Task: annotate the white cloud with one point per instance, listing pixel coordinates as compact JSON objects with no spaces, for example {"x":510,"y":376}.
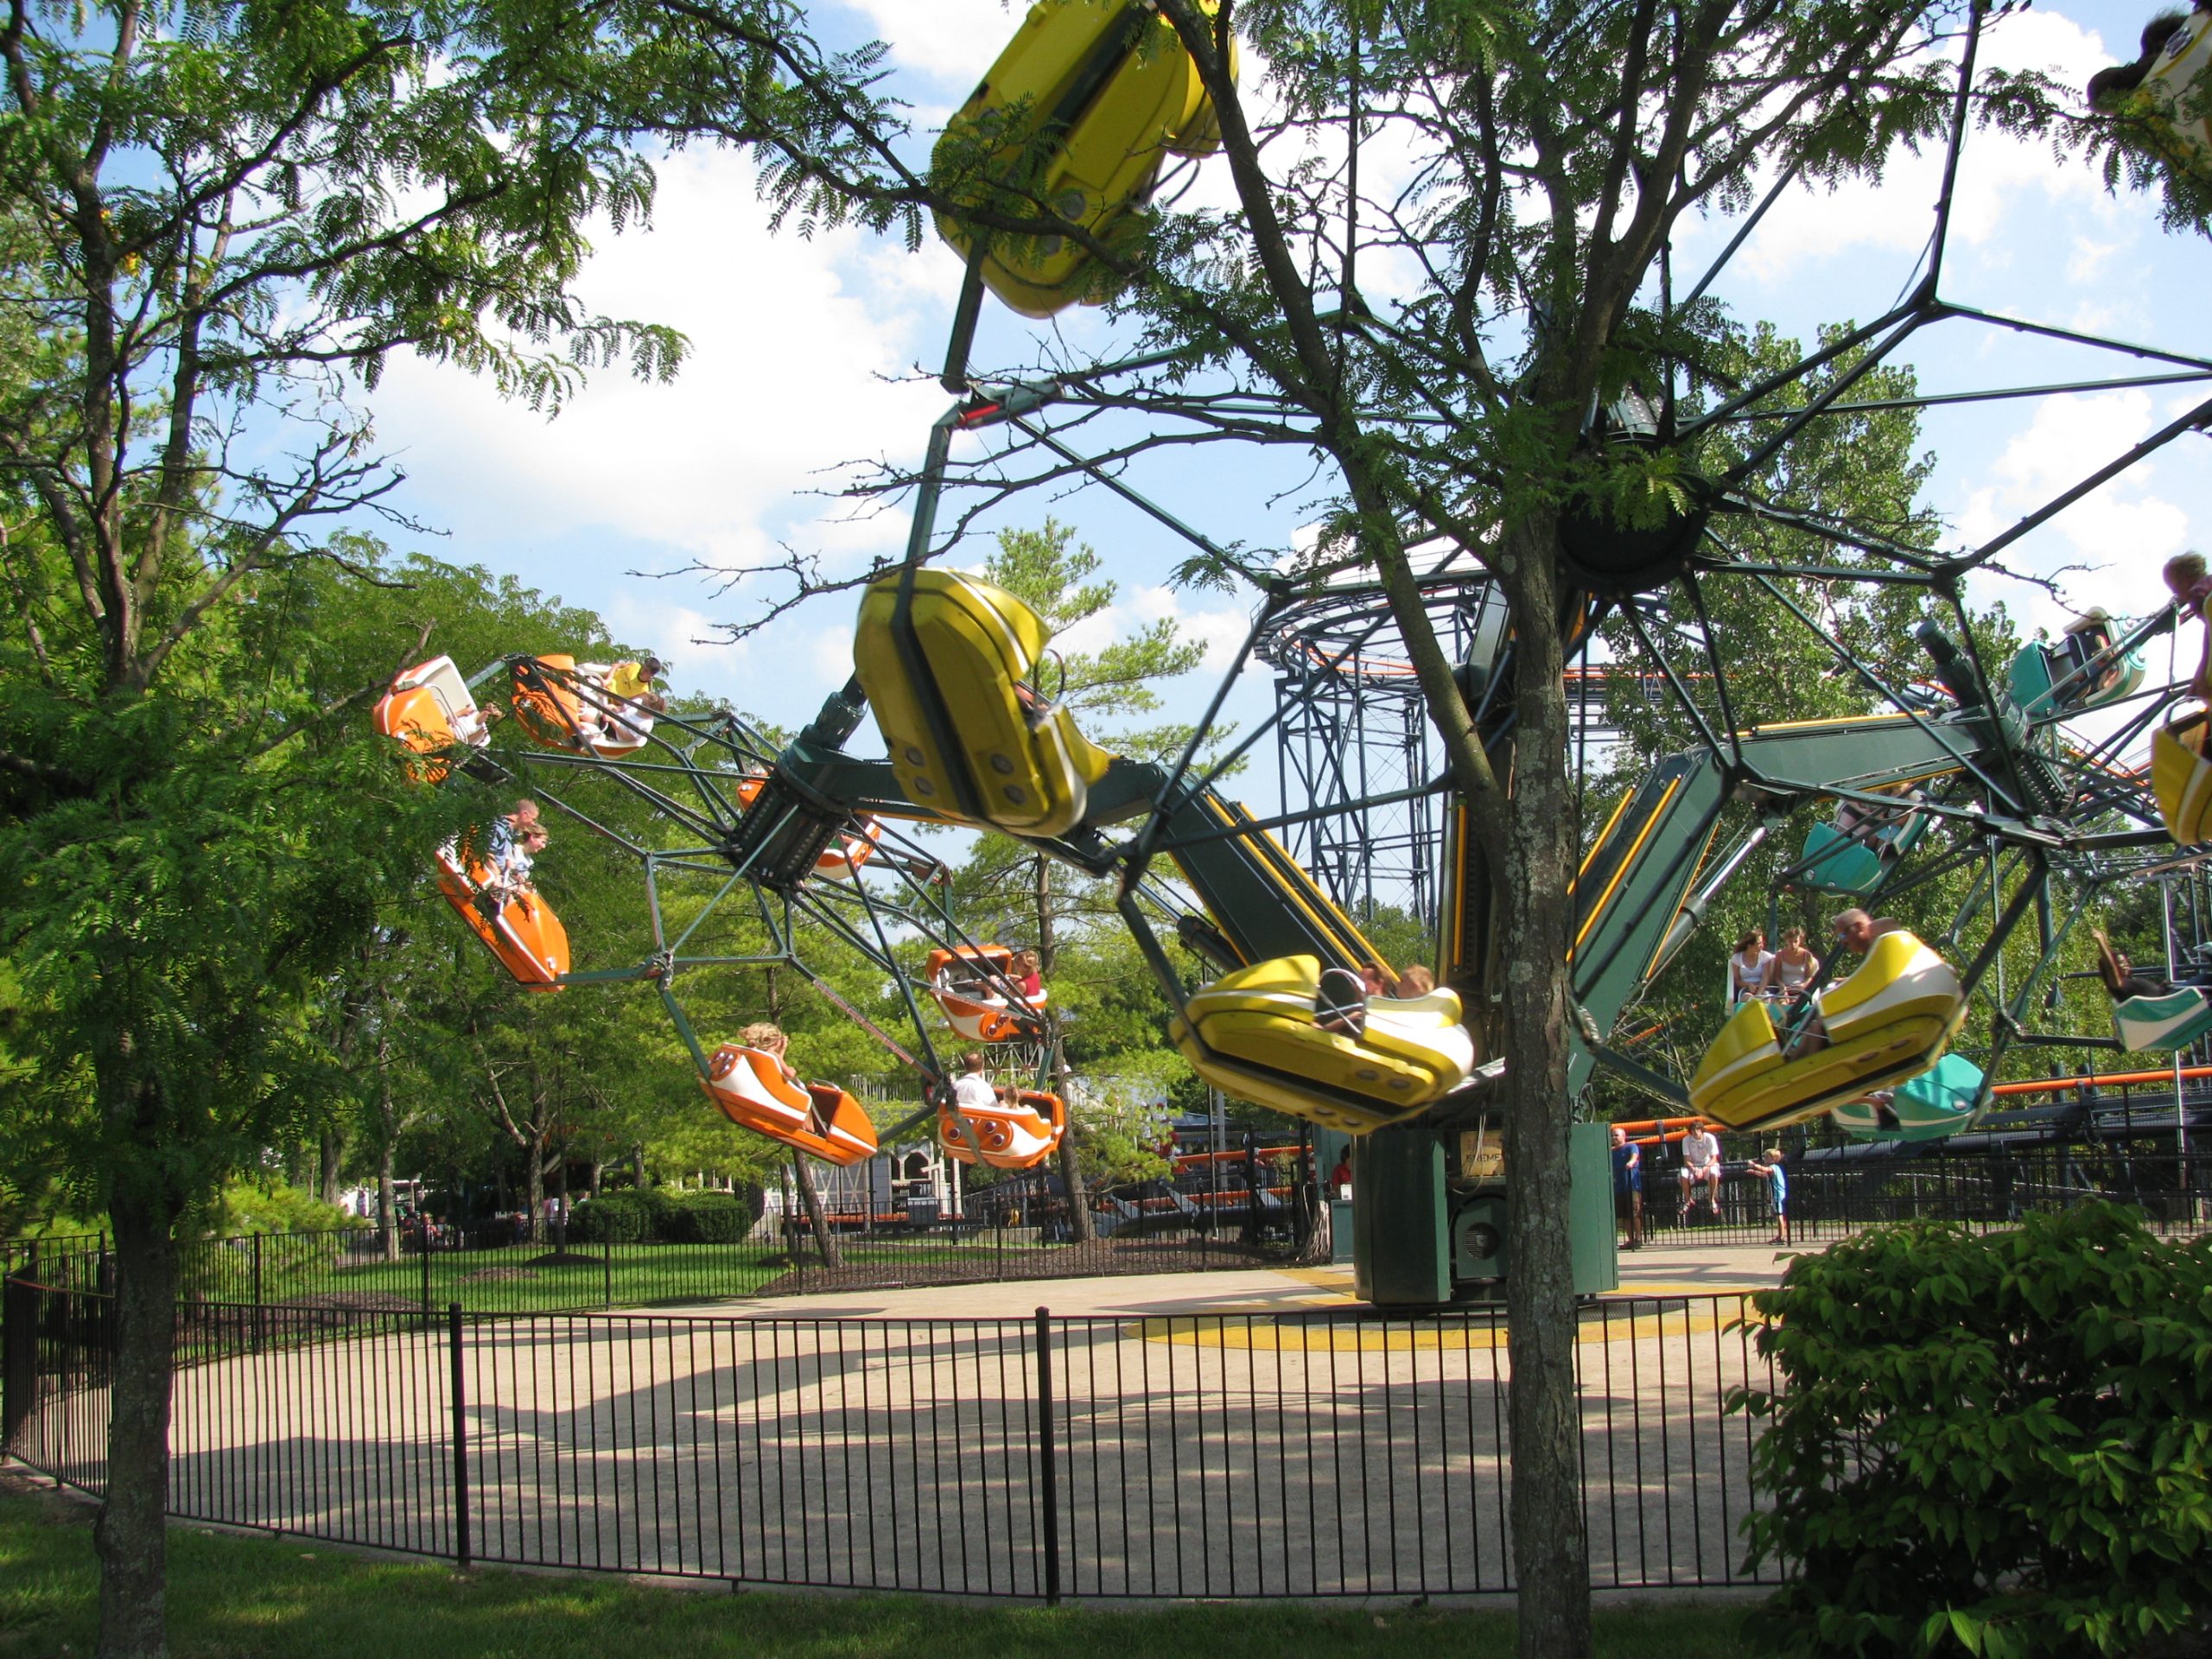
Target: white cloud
{"x":790,"y":340}
{"x":1222,"y":628}
{"x":2123,"y":530}
{"x":1999,"y":177}
{"x":950,"y":40}
{"x":2089,"y":258}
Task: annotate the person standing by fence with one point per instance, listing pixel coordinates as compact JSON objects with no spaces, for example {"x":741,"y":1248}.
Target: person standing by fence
{"x":1628,"y":1186}
{"x":1778,"y":1192}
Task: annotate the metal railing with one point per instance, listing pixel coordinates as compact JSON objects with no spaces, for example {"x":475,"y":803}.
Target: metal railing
{"x":1310,"y":1455}
{"x":1833,"y":1197}
{"x":352,"y":1268}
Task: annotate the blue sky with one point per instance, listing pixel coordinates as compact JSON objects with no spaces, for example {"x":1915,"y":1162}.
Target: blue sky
{"x":803,"y":355}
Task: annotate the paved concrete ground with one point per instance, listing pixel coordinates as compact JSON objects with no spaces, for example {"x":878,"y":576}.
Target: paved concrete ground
{"x":1693,"y":1268}
{"x":1211,"y":1434}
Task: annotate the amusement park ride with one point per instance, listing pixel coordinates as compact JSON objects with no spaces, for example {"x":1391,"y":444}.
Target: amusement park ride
{"x":1981,"y":768}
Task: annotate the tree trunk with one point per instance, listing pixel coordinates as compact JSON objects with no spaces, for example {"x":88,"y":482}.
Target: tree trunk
{"x":1081,"y":1228}
{"x":387,"y":1137}
{"x":387,"y":1204}
{"x":533,"y":1156}
{"x":824,"y":1240}
{"x":1550,"y":1553}
{"x":560,"y":1196}
{"x":131,"y":1536}
{"x":598,"y":1169}
{"x":332,"y":1149}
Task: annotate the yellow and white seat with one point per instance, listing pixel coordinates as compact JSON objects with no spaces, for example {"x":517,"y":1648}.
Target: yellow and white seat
{"x":754,"y":1092}
{"x":1252,"y":1033}
{"x":523,"y":933}
{"x":2171,"y":89}
{"x":1020,"y":1136}
{"x":2181,"y":779}
{"x":430,"y":709}
{"x":1018,"y":758}
{"x":1891,"y":1019}
{"x":1073,"y":119}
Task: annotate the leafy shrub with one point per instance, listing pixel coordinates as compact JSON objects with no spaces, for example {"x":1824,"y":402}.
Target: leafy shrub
{"x":248,"y":1206}
{"x":618,"y":1217}
{"x":657,"y":1214}
{"x":705,"y":1218}
{"x":1997,"y":1446}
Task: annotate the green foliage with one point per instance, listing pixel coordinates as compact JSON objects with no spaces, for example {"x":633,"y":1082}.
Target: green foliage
{"x":1996,"y":1445}
{"x":619,"y":1218}
{"x":655,"y":1215}
{"x":1056,"y":576}
{"x":250,"y":1205}
{"x":707,"y":1218}
{"x":1115,"y":1153}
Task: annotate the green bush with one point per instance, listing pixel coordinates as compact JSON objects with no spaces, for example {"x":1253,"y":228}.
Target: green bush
{"x":249,"y":1205}
{"x":655,"y":1215}
{"x":617,"y":1218}
{"x":705,"y":1218}
{"x":1995,"y":1446}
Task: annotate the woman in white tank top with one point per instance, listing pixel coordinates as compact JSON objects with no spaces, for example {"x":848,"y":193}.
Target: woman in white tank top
{"x":1747,"y":968}
{"x":1793,"y":966}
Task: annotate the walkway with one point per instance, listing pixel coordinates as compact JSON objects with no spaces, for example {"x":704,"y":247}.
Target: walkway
{"x":1693,"y":1268}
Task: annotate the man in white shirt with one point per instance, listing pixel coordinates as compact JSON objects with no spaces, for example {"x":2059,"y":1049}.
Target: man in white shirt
{"x":971,"y":1090}
{"x":1700,"y":1162}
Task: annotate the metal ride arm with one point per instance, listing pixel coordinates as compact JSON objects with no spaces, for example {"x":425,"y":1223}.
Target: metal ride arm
{"x":1639,"y":887}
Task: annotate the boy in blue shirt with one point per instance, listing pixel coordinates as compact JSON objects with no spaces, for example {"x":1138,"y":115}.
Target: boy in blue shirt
{"x":1778,"y":1193}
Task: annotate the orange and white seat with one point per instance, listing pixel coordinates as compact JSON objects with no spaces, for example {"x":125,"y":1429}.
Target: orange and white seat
{"x":974,"y":987}
{"x":555,"y":709}
{"x":756,"y":1092}
{"x":1020,"y":1136}
{"x":430,"y":709}
{"x":523,"y":933}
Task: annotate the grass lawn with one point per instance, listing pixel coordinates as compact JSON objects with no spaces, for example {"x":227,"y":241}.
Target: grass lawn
{"x":503,"y":1281}
{"x":255,"y":1599}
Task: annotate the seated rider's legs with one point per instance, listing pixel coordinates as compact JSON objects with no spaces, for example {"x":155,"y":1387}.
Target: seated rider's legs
{"x":1809,"y":1034}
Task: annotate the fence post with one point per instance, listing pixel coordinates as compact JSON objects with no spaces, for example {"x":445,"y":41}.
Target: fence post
{"x":422,"y":1248}
{"x":260,"y":1320}
{"x":18,"y":1358}
{"x":456,"y":1334}
{"x":1048,"y":1465}
{"x":607,"y":1272}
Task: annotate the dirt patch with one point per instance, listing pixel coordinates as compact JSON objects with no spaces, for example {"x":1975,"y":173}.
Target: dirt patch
{"x":565,"y":1259}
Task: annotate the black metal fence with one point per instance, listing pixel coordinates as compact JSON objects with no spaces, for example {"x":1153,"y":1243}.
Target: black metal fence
{"x":1836,"y":1190}
{"x":1219,"y":1455}
{"x":354,"y":1269}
